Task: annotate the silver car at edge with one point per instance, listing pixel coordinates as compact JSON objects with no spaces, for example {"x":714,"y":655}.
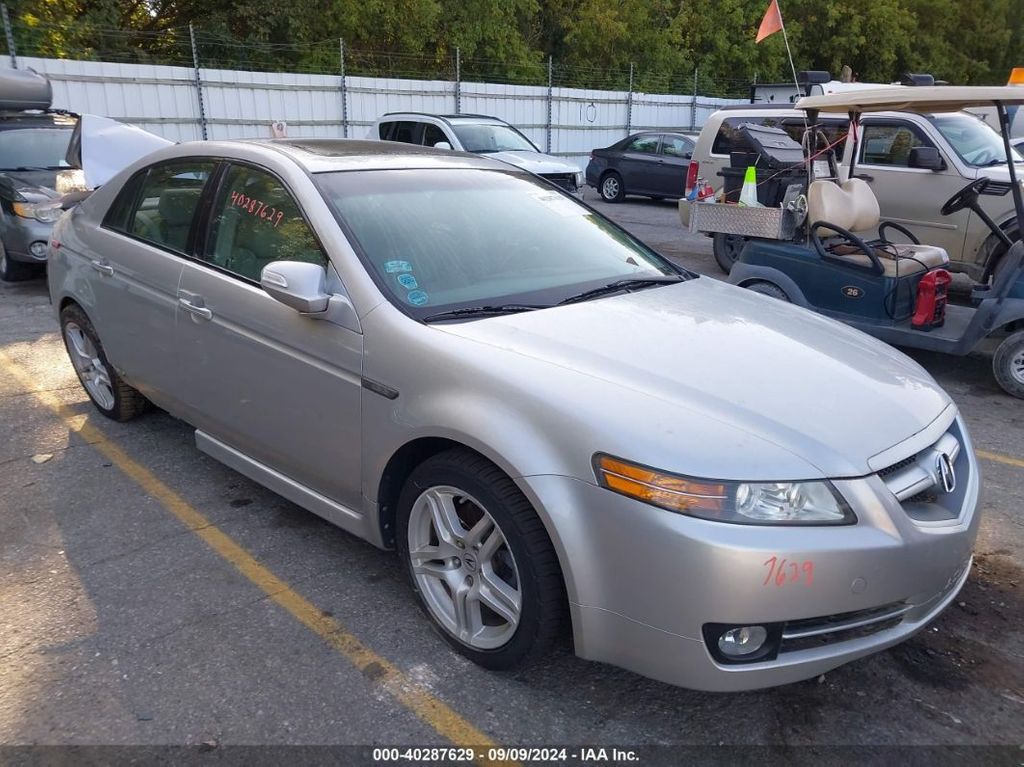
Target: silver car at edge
{"x":556,"y":428}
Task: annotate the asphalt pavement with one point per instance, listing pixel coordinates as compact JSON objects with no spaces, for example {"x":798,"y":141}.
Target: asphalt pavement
{"x":149,"y":595}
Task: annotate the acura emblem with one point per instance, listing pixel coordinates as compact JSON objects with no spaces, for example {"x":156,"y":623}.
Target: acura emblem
{"x":946,"y":472}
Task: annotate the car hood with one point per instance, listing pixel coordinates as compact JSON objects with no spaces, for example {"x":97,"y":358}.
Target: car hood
{"x":706,"y":361}
{"x":20,"y":186}
{"x":535,"y":162}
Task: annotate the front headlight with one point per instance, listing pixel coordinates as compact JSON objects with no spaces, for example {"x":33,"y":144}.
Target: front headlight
{"x":47,"y":212}
{"x":748,"y":503}
{"x":580,"y":179}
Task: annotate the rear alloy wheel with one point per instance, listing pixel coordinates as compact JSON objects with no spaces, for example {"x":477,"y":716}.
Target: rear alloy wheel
{"x":111,"y":396}
{"x":768,"y":289}
{"x":727,"y":248}
{"x":612,"y":189}
{"x":480,"y":560}
{"x":11,"y":270}
{"x":1008,"y":364}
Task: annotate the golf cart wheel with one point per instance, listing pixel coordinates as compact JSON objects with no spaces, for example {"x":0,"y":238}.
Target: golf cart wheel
{"x":768,"y":289}
{"x":612,"y":189}
{"x":1008,"y":364}
{"x":480,"y":560}
{"x":727,"y":248}
{"x":111,"y":395}
{"x":11,"y":270}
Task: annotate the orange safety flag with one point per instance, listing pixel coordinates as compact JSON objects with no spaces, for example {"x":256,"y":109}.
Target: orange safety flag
{"x":771,"y":23}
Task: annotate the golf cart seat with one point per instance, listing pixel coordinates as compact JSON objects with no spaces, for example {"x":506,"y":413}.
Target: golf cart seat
{"x":838,"y":210}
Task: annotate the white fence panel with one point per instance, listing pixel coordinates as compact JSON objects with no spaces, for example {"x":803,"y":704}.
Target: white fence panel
{"x":238,"y":104}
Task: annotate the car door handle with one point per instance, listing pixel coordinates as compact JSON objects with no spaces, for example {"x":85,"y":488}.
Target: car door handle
{"x":197,"y":311}
{"x":102,"y":267}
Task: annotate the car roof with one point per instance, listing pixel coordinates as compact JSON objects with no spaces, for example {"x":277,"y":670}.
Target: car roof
{"x":325,"y":155}
{"x":922,"y":99}
{"x":448,"y":118}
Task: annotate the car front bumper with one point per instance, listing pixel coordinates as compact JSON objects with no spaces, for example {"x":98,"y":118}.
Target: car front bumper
{"x":18,"y":235}
{"x":644,"y":583}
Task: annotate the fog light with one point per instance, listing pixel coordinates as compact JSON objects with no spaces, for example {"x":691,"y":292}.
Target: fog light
{"x":742,"y":641}
{"x":38,"y":249}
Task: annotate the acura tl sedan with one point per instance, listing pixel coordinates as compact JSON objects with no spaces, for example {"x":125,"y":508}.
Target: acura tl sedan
{"x":556,"y":428}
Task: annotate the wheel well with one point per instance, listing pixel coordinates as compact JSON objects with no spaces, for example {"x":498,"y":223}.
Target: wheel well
{"x":399,"y":467}
{"x":607,"y":173}
{"x":65,"y":302}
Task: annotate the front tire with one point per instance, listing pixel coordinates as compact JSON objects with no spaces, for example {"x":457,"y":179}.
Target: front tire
{"x":11,"y":270}
{"x":109,"y":393}
{"x":612,"y":189}
{"x":727,"y":248}
{"x":1008,"y":364}
{"x":480,"y":560}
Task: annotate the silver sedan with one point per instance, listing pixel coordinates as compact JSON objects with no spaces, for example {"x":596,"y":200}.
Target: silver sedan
{"x":556,"y":428}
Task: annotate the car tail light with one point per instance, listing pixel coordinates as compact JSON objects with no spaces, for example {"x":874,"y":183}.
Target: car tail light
{"x":691,"y":176}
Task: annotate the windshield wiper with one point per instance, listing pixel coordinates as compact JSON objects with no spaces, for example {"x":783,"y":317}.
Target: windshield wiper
{"x":484,"y":311}
{"x":631,"y":283}
{"x":33,"y":167}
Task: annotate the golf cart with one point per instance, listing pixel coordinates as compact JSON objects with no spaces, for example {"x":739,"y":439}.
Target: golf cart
{"x":825,"y":249}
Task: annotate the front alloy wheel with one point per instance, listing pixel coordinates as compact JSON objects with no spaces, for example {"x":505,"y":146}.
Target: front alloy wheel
{"x":463,"y":568}
{"x":480,"y":560}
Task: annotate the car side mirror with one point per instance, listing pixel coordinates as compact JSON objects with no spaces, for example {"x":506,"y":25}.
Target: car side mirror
{"x":442,"y":145}
{"x":925,"y":157}
{"x":300,"y":285}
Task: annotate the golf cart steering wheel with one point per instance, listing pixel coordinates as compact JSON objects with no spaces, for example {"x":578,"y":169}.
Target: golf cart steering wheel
{"x":965,"y":198}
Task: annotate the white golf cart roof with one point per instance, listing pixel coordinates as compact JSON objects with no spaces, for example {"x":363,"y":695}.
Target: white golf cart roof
{"x":924,"y":98}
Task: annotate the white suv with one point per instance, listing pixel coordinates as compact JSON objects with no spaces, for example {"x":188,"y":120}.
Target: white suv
{"x":479,"y":134}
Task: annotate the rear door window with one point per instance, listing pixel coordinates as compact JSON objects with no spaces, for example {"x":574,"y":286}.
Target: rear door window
{"x":159,"y":206}
{"x":405,"y":131}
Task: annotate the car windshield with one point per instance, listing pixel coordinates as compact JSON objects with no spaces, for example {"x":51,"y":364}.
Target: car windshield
{"x":491,"y":138}
{"x":34,"y":148}
{"x":439,"y":240}
{"x":977,"y":142}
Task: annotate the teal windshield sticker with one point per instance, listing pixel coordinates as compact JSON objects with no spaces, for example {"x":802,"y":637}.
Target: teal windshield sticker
{"x":417,"y":298}
{"x":407,"y":281}
{"x":391,"y":267}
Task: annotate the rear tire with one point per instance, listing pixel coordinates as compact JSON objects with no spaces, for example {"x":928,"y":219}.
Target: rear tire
{"x":727,"y":248}
{"x":769,"y":289}
{"x":481,"y":562}
{"x":108,"y":392}
{"x":13,"y":271}
{"x":1008,"y":364}
{"x":612,"y":188}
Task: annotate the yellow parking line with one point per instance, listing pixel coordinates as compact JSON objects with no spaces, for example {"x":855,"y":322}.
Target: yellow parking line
{"x":430,"y":709}
{"x":1009,"y":460}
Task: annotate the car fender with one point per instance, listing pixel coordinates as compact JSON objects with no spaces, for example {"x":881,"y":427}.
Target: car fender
{"x":744,"y":274}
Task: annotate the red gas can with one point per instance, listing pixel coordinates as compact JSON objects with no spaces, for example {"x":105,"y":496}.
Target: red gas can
{"x":930,"y":309}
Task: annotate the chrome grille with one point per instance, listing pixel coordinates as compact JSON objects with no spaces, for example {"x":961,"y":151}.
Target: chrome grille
{"x":566,"y":181}
{"x":918,"y":474}
{"x":827,"y":629}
